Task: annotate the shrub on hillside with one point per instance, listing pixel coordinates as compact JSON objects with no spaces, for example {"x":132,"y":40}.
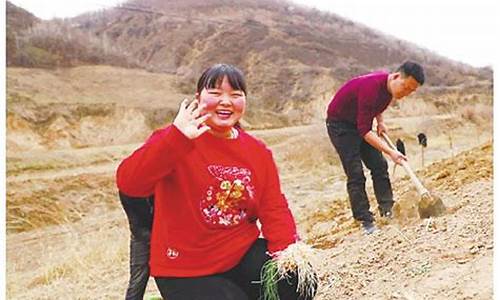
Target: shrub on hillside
{"x":57,"y":44}
{"x":477,"y":113}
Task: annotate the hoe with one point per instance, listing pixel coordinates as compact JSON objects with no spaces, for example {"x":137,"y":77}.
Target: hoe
{"x":429,"y":205}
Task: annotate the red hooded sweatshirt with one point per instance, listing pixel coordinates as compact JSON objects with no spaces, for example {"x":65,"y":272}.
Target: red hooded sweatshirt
{"x":209,"y":192}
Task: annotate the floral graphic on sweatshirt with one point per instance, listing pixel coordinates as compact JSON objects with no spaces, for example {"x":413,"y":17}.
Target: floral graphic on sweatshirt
{"x":225,"y":202}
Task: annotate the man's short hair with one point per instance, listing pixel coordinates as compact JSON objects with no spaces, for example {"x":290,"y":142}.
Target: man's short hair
{"x":413,"y":69}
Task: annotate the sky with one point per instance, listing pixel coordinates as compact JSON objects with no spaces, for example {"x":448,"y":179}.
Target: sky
{"x":458,"y":29}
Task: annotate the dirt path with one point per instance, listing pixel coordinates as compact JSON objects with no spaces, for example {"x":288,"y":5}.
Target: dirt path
{"x":53,"y":174}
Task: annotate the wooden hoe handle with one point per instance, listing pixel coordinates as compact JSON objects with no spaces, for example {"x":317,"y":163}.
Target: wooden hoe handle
{"x":420,"y":188}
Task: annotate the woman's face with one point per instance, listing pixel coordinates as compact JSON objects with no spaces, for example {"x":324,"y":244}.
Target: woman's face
{"x":224,"y":104}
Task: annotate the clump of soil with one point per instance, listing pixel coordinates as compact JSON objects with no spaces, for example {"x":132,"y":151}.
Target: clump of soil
{"x":430,"y":206}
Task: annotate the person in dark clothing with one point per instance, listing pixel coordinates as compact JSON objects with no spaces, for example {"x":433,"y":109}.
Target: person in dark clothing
{"x":140,"y":218}
{"x":242,"y":282}
{"x":349,"y":123}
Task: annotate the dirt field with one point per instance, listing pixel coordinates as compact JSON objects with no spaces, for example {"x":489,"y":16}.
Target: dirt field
{"x":67,"y":234}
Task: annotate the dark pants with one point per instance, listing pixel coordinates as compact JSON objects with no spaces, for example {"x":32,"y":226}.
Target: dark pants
{"x":353,"y":150}
{"x":240,"y":283}
{"x":140,"y":217}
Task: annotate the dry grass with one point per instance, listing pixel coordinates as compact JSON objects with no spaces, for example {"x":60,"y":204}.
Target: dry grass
{"x":56,"y":43}
{"x":34,"y":204}
{"x":86,"y":106}
{"x":81,"y":257}
{"x":301,"y":148}
{"x":20,"y":164}
{"x":94,"y":85}
{"x":413,"y":106}
{"x":477,"y":113}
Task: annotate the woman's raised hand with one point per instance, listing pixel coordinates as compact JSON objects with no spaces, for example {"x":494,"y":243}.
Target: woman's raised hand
{"x":189,"y":119}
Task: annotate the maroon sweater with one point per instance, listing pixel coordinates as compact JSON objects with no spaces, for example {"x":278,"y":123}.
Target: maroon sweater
{"x":360,"y":100}
{"x":208,"y":193}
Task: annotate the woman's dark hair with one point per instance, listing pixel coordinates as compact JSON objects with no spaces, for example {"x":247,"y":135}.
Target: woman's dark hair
{"x":213,"y":76}
{"x":410,"y":68}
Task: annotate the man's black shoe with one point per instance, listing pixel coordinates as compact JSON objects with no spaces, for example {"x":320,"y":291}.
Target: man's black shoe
{"x":386,"y":213}
{"x":368,"y":227}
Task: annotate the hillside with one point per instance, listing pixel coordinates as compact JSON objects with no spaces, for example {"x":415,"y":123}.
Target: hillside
{"x":35,"y":43}
{"x":17,"y":21}
{"x":91,"y":105}
{"x":168,"y":35}
{"x":294,"y":57}
{"x":85,"y":106}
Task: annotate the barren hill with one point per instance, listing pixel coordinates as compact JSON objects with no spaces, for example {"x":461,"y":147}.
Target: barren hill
{"x":173,"y":36}
{"x":17,"y":21}
{"x":293,"y":56}
{"x":35,"y":43}
{"x":294,"y":59}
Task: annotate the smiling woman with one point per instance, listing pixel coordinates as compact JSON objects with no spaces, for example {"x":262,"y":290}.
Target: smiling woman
{"x":222,"y":91}
{"x":212,"y":181}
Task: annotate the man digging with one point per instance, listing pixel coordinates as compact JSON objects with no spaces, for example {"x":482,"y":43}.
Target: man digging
{"x":349,"y":122}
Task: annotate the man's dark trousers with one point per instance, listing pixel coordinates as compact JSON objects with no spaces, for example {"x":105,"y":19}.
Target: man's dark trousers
{"x":140,"y":217}
{"x":353,"y":150}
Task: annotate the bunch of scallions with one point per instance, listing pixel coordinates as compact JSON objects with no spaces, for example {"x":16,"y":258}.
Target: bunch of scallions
{"x":297,"y":259}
